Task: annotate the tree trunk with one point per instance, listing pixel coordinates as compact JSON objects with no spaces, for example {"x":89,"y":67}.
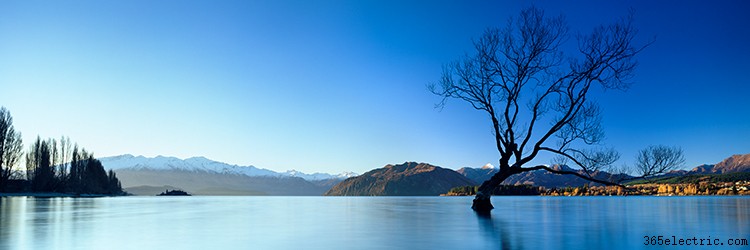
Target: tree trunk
{"x":482,"y":202}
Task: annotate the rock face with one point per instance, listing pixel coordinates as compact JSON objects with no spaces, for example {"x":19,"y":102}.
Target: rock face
{"x":407,"y":179}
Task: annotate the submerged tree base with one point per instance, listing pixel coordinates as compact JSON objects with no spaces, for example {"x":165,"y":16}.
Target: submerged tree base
{"x":482,"y":204}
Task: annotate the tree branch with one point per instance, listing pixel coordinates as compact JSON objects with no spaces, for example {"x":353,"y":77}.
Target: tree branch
{"x":539,"y":167}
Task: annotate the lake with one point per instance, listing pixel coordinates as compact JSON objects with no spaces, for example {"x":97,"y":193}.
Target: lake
{"x":257,"y":222}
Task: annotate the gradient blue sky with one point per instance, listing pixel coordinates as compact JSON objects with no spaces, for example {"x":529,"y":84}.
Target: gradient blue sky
{"x":337,"y":86}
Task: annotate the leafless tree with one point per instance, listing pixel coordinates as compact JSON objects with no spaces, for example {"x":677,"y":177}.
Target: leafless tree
{"x":658,"y":159}
{"x":11,"y":148}
{"x":538,"y":96}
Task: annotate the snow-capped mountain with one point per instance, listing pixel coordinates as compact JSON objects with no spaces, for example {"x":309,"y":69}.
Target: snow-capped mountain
{"x":318,"y":176}
{"x":202,"y":164}
{"x":488,"y":166}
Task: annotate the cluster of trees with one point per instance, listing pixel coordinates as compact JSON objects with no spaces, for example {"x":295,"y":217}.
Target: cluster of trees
{"x":52,"y":165}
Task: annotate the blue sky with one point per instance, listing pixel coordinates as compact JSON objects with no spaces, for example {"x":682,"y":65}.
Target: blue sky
{"x":331,"y":86}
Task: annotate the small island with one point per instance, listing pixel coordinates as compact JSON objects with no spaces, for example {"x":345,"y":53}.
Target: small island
{"x":174,"y":193}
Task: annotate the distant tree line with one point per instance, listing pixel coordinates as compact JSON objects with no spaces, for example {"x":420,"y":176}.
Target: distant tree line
{"x":51,"y":165}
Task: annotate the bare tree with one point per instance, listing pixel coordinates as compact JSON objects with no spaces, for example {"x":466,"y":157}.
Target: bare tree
{"x":537,"y":96}
{"x":11,"y":147}
{"x":658,"y":159}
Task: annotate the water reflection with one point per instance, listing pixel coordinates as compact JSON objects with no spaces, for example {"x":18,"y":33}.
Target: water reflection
{"x":363,"y":222}
{"x":496,"y":230}
{"x":611,"y":222}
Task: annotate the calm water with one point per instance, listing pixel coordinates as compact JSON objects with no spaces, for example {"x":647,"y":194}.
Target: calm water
{"x":366,"y":222}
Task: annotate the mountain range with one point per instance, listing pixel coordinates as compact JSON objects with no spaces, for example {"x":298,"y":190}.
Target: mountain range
{"x":149,"y":176}
{"x":198,"y":175}
{"x":733,"y":164}
{"x":202,"y":164}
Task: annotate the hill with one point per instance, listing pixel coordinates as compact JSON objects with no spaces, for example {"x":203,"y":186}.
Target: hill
{"x":407,"y":179}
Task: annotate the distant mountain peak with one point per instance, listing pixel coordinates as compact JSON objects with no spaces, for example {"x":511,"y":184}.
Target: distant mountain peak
{"x":123,"y":156}
{"x":198,"y":158}
{"x":488,"y":166}
{"x":317,"y":175}
{"x":407,"y":164}
{"x":348,"y":174}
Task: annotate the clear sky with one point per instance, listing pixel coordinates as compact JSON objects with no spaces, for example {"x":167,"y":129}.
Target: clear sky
{"x":331,"y":86}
